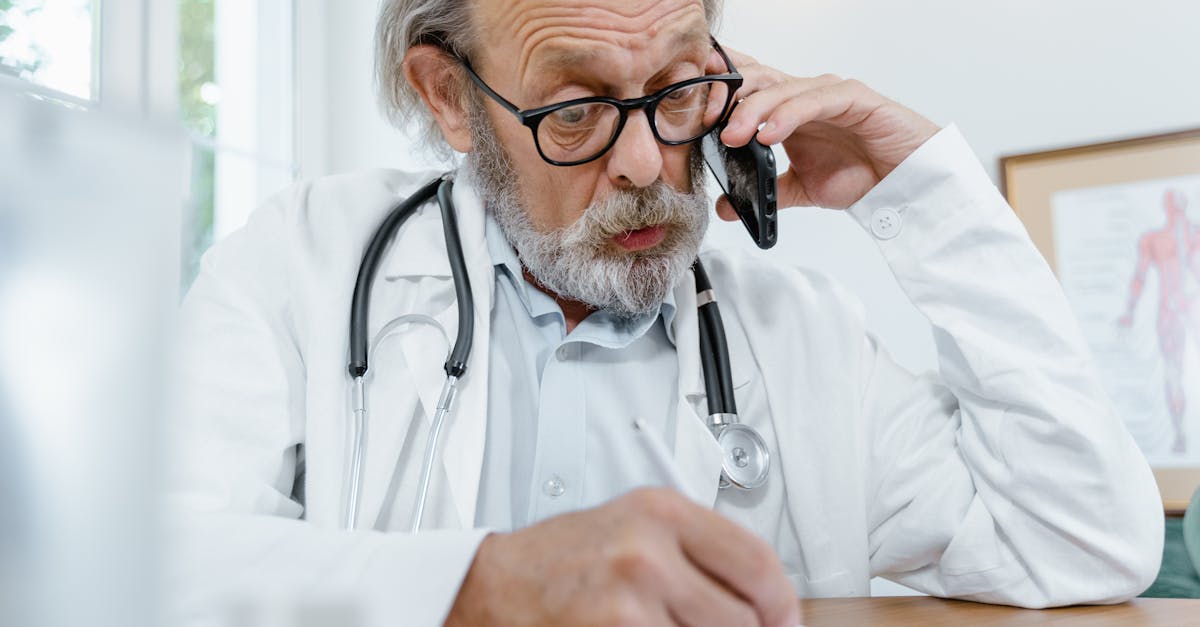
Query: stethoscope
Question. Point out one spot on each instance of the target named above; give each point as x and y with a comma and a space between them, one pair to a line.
745, 458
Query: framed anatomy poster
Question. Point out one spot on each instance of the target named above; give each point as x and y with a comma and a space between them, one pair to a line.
1120, 224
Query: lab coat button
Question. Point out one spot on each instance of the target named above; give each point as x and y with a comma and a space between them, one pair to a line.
554, 487
564, 353
886, 223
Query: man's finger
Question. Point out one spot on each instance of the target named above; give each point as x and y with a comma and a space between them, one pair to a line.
755, 76
739, 58
842, 104
791, 191
715, 64
743, 562
696, 600
758, 107
725, 209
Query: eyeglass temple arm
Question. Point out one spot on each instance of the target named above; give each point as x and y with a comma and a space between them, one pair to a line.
488, 90
724, 55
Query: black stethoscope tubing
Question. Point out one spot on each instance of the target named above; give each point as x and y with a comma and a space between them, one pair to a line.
745, 457
443, 187
713, 348
714, 352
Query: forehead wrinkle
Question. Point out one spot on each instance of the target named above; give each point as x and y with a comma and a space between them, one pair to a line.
564, 57
516, 19
567, 54
542, 24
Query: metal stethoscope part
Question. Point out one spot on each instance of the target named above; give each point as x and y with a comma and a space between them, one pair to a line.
358, 426
745, 459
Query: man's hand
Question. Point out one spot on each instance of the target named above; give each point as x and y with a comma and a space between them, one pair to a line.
841, 137
651, 557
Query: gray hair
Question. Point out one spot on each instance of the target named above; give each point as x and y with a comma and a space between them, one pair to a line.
445, 23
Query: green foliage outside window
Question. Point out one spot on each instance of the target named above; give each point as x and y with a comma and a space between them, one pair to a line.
197, 79
197, 62
18, 67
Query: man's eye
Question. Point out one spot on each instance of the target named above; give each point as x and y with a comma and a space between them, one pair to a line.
571, 115
683, 94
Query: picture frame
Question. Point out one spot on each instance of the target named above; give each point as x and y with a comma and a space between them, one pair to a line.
1103, 215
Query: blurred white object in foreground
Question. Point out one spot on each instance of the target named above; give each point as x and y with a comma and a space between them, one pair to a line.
89, 265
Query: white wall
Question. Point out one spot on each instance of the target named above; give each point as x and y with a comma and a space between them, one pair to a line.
1015, 75
359, 136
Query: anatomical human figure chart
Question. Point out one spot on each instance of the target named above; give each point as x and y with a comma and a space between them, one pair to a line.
1128, 257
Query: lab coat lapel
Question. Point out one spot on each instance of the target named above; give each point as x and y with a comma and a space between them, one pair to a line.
405, 359
697, 455
418, 270
403, 381
425, 350
466, 427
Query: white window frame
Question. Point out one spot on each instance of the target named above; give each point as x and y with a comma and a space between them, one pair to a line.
131, 74
134, 73
139, 57
252, 153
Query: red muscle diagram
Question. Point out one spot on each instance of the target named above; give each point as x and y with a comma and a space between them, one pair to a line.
1170, 251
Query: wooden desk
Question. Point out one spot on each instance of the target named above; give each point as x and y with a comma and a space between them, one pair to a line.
931, 612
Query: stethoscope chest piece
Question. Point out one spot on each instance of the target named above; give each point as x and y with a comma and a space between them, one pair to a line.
745, 459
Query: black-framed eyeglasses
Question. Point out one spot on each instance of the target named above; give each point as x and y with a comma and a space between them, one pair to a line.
582, 130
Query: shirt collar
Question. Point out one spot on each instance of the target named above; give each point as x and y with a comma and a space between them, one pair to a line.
508, 268
537, 304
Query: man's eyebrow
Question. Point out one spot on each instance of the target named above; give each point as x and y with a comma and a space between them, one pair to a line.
693, 36
561, 59
569, 58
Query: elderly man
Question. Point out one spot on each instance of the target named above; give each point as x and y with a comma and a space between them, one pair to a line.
1005, 478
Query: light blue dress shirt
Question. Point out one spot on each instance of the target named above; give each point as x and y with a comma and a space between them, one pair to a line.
561, 406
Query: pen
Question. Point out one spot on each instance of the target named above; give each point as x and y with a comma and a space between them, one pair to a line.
659, 456
661, 459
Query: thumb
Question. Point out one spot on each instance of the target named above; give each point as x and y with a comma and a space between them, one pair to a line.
725, 209
790, 191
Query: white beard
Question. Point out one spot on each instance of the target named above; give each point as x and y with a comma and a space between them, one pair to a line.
578, 262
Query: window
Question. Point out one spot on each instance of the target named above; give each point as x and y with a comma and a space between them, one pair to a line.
224, 68
50, 44
236, 99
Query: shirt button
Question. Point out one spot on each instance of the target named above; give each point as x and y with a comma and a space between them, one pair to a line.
564, 352
886, 223
554, 487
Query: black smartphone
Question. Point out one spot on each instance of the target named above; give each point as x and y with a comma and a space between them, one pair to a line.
747, 176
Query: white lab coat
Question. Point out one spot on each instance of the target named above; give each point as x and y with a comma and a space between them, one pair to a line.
1005, 477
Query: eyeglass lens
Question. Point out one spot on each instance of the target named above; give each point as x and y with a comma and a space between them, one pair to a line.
583, 131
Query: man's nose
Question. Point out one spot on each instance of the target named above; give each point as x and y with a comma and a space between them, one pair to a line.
636, 159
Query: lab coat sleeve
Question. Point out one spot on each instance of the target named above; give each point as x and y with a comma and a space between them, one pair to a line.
1006, 477
242, 552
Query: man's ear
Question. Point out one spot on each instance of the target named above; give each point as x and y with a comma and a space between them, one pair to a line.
438, 78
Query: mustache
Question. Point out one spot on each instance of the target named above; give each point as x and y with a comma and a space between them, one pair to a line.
627, 210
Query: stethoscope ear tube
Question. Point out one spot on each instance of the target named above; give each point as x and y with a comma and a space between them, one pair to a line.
456, 364
745, 456
714, 352
360, 303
